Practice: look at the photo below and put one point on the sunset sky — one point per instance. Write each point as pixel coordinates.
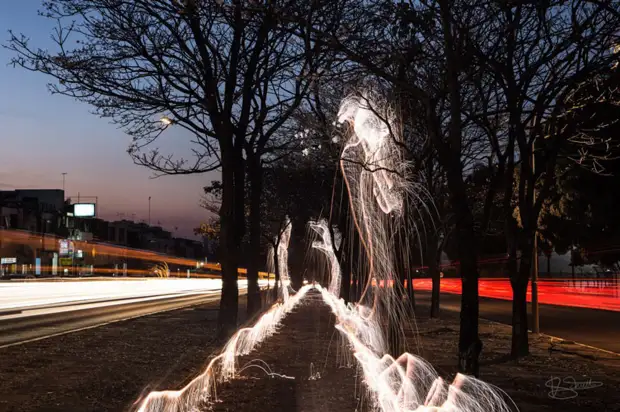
(43, 136)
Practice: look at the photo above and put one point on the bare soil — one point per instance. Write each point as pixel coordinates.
(526, 379)
(109, 367)
(304, 367)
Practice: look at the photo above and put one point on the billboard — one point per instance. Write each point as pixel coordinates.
(84, 210)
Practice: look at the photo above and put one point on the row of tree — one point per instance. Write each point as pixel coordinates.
(497, 102)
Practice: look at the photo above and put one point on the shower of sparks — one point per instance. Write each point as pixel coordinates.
(281, 269)
(375, 175)
(371, 166)
(327, 246)
(224, 366)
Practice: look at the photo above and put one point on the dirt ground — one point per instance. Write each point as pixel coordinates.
(107, 368)
(526, 380)
(308, 349)
(304, 367)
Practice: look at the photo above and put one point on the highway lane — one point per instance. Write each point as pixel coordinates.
(32, 311)
(26, 329)
(594, 327)
(23, 295)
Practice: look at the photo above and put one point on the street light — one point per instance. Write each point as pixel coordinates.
(166, 121)
(64, 174)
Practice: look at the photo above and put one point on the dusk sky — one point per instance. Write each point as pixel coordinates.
(43, 136)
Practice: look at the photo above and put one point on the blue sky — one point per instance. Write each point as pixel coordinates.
(43, 136)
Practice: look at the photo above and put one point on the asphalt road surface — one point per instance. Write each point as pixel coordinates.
(594, 327)
(32, 311)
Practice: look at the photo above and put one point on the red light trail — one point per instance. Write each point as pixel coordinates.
(584, 293)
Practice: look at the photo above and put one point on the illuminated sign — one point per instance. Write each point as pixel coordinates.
(8, 260)
(84, 210)
(64, 247)
(66, 261)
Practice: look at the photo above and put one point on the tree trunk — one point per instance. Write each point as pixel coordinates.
(470, 345)
(435, 293)
(276, 267)
(255, 173)
(410, 297)
(433, 268)
(450, 156)
(520, 341)
(227, 317)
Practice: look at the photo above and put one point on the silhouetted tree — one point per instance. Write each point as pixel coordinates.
(225, 72)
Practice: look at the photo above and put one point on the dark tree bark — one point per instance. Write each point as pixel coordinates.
(433, 268)
(255, 174)
(470, 345)
(276, 266)
(520, 340)
(229, 302)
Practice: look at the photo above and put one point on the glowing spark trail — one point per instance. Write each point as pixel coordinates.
(281, 241)
(285, 239)
(327, 246)
(371, 167)
(224, 365)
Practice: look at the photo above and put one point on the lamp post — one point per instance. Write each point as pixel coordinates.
(149, 210)
(64, 174)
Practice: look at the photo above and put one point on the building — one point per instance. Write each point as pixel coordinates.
(35, 217)
(35, 210)
(39, 233)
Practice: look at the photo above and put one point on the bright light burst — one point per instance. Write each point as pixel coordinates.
(372, 168)
(224, 366)
(375, 175)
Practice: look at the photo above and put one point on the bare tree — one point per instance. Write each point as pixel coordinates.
(219, 70)
(539, 55)
(422, 55)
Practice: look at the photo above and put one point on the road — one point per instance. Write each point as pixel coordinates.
(594, 327)
(37, 310)
(585, 293)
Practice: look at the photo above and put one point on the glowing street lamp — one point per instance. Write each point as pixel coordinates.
(166, 121)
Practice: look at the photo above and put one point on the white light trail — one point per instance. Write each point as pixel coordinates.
(328, 247)
(372, 168)
(26, 295)
(285, 239)
(224, 365)
(407, 383)
(282, 242)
